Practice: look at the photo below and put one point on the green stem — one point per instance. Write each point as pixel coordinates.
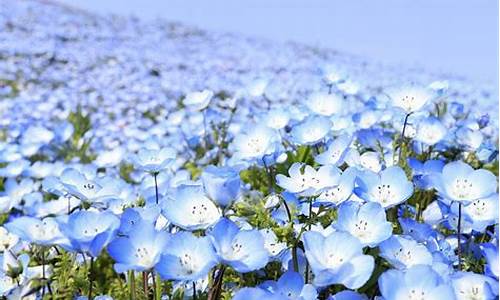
(145, 282)
(306, 275)
(216, 288)
(43, 271)
(295, 259)
(458, 236)
(91, 277)
(403, 138)
(270, 177)
(157, 286)
(305, 154)
(205, 130)
(131, 279)
(156, 186)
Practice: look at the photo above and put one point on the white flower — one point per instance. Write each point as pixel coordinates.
(324, 104)
(410, 98)
(198, 100)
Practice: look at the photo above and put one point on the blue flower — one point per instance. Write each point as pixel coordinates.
(87, 189)
(333, 74)
(335, 152)
(276, 118)
(186, 257)
(460, 182)
(457, 110)
(41, 232)
(342, 191)
(291, 286)
(311, 131)
(34, 137)
(90, 231)
(189, 208)
(140, 249)
(136, 216)
(257, 87)
(306, 181)
(198, 100)
(422, 171)
(435, 212)
(389, 188)
(111, 158)
(271, 243)
(417, 282)
(7, 239)
(490, 253)
(154, 160)
(403, 252)
(468, 285)
(410, 98)
(440, 86)
(487, 153)
(256, 294)
(366, 221)
(469, 139)
(222, 184)
(243, 250)
(254, 144)
(481, 212)
(14, 193)
(337, 259)
(347, 295)
(324, 104)
(421, 232)
(430, 131)
(443, 251)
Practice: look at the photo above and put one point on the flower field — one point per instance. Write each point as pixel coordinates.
(151, 160)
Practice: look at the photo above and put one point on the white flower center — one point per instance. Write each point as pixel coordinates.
(408, 102)
(479, 208)
(383, 193)
(200, 213)
(404, 256)
(188, 263)
(236, 251)
(360, 229)
(334, 260)
(416, 294)
(474, 293)
(154, 159)
(461, 188)
(255, 145)
(89, 186)
(144, 257)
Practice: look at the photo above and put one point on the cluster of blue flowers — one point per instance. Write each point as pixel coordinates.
(148, 160)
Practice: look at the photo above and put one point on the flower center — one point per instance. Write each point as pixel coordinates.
(479, 208)
(461, 188)
(144, 257)
(188, 264)
(334, 260)
(404, 256)
(361, 229)
(383, 193)
(255, 145)
(475, 293)
(416, 295)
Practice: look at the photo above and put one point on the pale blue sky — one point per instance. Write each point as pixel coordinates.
(459, 36)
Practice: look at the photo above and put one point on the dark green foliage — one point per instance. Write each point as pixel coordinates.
(78, 146)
